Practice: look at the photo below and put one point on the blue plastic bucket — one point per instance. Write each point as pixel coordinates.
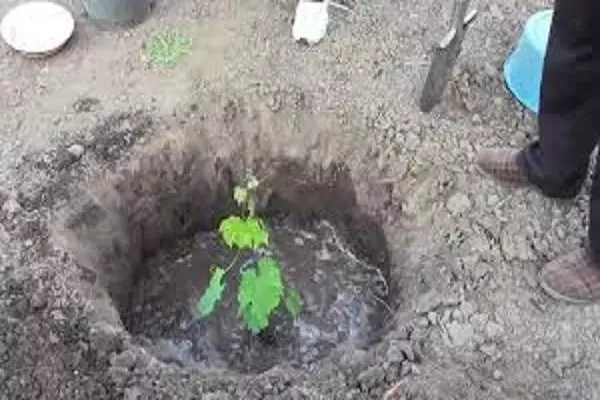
(523, 69)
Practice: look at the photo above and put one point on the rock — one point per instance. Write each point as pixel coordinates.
(427, 302)
(76, 150)
(457, 315)
(133, 393)
(217, 396)
(467, 309)
(53, 338)
(564, 360)
(422, 322)
(515, 245)
(460, 334)
(493, 331)
(406, 348)
(458, 203)
(395, 353)
(372, 377)
(479, 321)
(432, 300)
(432, 317)
(417, 348)
(446, 316)
(125, 359)
(488, 349)
(498, 375)
(85, 104)
(11, 207)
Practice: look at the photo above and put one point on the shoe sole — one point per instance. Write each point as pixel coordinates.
(508, 184)
(559, 296)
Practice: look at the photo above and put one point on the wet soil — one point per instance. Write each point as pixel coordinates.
(345, 303)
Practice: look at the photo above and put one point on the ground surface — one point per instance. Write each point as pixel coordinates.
(465, 252)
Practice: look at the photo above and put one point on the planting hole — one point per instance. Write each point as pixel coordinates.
(151, 235)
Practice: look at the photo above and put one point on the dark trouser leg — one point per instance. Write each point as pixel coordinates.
(569, 119)
(594, 228)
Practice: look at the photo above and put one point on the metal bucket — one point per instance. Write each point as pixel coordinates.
(118, 12)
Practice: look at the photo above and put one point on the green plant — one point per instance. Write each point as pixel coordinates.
(168, 48)
(261, 288)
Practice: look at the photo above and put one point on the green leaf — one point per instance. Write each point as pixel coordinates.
(260, 293)
(248, 233)
(293, 302)
(240, 195)
(213, 293)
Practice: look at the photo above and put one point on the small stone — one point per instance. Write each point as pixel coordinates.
(460, 334)
(58, 315)
(488, 349)
(458, 203)
(457, 315)
(372, 377)
(446, 316)
(76, 150)
(423, 322)
(432, 317)
(498, 375)
(492, 200)
(85, 104)
(406, 348)
(478, 339)
(395, 353)
(479, 321)
(493, 331)
(133, 393)
(11, 207)
(467, 309)
(298, 241)
(427, 302)
(53, 338)
(126, 359)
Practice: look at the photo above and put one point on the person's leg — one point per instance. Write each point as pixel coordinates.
(557, 162)
(570, 101)
(575, 277)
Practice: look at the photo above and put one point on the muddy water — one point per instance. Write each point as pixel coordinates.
(343, 302)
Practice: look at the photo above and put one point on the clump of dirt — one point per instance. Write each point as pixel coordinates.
(145, 232)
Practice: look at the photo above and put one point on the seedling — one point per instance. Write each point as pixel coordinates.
(168, 49)
(261, 288)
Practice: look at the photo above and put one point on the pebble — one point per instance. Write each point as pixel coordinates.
(460, 334)
(298, 241)
(76, 150)
(458, 203)
(467, 309)
(488, 349)
(493, 331)
(53, 338)
(457, 315)
(432, 317)
(498, 375)
(479, 321)
(11, 207)
(133, 393)
(422, 322)
(433, 299)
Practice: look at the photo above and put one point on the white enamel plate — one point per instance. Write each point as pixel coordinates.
(37, 27)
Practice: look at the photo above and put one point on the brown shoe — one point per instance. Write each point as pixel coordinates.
(501, 164)
(574, 278)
